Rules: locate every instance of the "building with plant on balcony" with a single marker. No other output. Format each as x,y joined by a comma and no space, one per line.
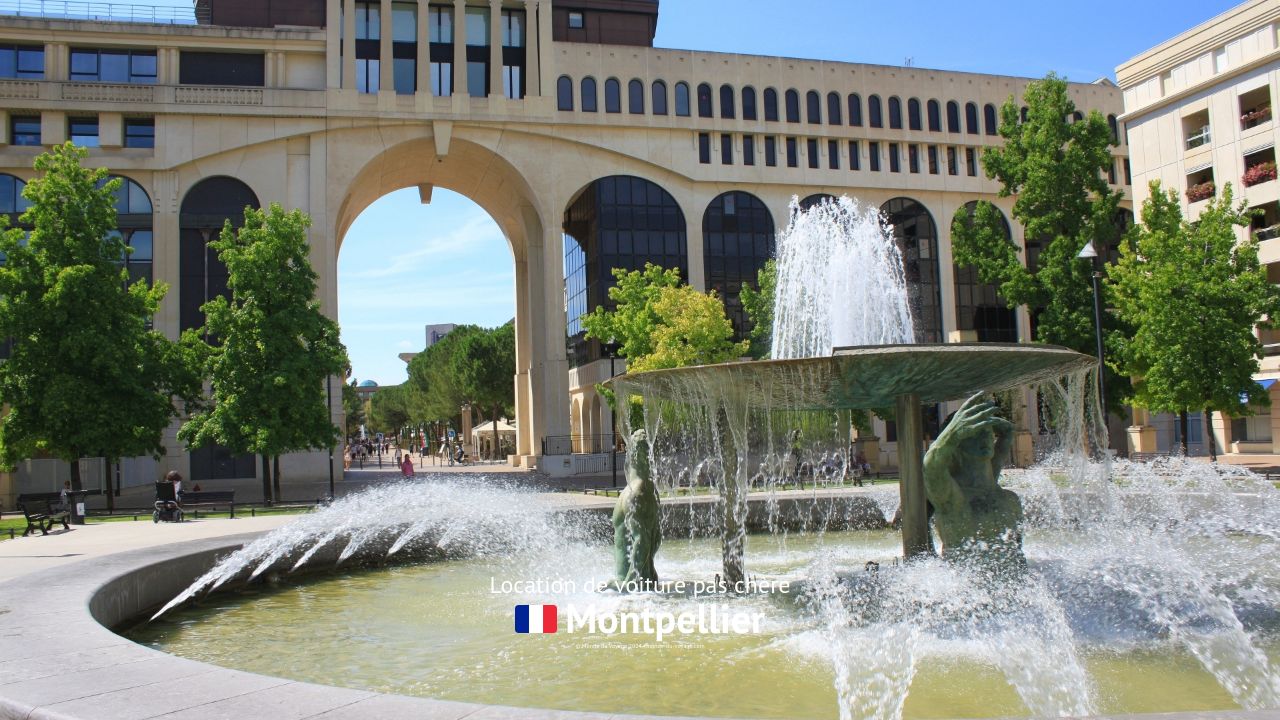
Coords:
1198,109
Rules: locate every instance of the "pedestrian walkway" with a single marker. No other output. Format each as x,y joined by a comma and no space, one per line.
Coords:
85,542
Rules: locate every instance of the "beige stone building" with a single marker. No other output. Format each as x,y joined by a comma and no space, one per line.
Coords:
1198,109
589,147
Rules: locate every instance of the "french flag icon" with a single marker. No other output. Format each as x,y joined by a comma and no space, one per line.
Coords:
535,619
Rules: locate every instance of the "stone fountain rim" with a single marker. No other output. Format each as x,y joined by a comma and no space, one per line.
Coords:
107,675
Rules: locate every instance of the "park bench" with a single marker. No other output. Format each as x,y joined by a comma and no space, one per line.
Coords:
1143,457
210,498
42,512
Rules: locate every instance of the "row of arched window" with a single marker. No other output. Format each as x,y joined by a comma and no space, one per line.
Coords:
837,109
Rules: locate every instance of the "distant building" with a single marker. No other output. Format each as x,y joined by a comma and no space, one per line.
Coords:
436,332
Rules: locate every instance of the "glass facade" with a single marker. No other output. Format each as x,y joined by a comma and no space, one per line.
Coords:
979,306
738,239
477,37
440,34
617,222
24,62
83,131
133,220
917,238
24,130
513,54
113,66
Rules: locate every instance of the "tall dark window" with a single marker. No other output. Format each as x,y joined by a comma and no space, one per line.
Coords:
874,118
834,116
771,151
368,45
513,54
704,101
913,158
659,97
953,116
1077,116
894,161
477,49
139,132
564,93
770,105
588,94
704,148
404,46
813,107
989,119
12,204
811,149
737,236
855,163
635,97
1022,114
895,113
979,306
133,220
971,161
793,106
222,68
440,35
749,103
748,150
24,130
24,62
913,114
1128,172
616,222
971,118
917,238
793,153
726,149
855,110
612,96
873,156
933,159
202,277
833,154
727,102
682,99
953,166
113,66
935,116
1114,126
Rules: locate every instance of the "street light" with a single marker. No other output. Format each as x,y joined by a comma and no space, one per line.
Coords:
611,348
1088,252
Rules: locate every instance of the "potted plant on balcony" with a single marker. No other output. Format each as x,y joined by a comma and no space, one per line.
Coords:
1259,173
1256,116
1200,191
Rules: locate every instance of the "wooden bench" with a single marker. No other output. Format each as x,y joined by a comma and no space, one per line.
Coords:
210,498
41,514
1143,457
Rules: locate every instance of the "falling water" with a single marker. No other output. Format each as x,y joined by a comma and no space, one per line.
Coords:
840,282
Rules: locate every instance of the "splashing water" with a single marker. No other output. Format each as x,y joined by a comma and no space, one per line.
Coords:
840,282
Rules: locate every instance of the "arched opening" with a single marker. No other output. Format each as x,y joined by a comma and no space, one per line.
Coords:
793,106
133,223
737,237
612,96
749,103
813,107
635,97
704,101
895,113
770,105
659,93
726,102
971,118
815,199
979,306
564,93
989,116
935,116
913,114
620,221
917,238
201,277
588,94
953,116
12,204
855,110
682,99
833,109
873,111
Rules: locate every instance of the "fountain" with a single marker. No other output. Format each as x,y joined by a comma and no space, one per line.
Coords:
1071,588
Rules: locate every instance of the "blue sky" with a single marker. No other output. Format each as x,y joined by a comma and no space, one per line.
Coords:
404,265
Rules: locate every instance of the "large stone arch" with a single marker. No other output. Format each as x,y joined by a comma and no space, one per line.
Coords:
429,156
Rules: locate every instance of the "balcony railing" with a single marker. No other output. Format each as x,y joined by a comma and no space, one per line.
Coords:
105,11
1267,233
1200,138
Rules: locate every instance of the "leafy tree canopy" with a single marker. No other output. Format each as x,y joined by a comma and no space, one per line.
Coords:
758,305
86,374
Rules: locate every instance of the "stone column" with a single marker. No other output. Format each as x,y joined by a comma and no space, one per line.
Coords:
532,77
694,244
57,61
333,43
424,49
386,62
495,48
545,64
349,44
460,48
915,519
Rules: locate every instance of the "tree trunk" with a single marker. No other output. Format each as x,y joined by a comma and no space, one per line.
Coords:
1183,426
75,474
275,476
266,480
111,495
1208,433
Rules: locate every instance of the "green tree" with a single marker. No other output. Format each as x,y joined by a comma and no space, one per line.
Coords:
352,408
86,375
758,305
1057,170
389,409
1194,294
483,367
432,374
631,324
269,346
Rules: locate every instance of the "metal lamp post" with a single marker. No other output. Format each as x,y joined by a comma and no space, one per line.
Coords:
1088,252
611,348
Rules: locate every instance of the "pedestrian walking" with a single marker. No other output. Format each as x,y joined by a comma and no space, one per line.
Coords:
406,466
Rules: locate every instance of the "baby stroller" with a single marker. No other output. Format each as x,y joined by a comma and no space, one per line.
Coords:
167,507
